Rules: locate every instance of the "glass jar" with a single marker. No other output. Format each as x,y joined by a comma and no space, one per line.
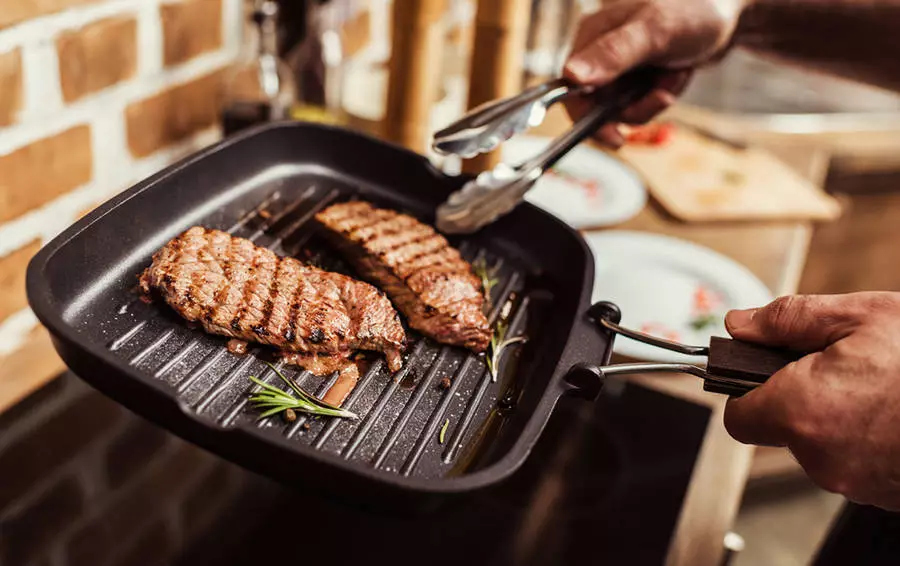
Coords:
259,87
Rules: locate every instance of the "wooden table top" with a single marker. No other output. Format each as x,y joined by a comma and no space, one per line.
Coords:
774,251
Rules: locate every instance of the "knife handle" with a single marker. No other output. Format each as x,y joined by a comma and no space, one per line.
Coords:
744,366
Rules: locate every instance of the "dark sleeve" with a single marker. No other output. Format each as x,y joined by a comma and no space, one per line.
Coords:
862,535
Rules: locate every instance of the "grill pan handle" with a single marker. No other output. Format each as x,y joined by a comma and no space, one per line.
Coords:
751,363
733,368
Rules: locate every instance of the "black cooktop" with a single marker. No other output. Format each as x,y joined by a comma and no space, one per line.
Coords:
604,485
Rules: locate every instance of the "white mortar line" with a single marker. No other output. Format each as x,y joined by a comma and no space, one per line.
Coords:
14,330
49,220
232,25
40,65
150,39
83,111
109,144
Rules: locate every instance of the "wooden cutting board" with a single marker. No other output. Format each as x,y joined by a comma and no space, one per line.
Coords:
697,178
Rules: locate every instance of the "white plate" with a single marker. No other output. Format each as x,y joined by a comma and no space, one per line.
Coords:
587,188
665,286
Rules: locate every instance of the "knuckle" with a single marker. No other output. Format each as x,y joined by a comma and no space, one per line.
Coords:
834,481
782,314
805,424
655,25
828,473
879,303
616,48
805,430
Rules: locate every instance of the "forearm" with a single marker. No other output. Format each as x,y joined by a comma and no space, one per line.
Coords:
856,39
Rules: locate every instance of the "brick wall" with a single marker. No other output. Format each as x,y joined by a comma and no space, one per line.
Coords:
94,96
85,482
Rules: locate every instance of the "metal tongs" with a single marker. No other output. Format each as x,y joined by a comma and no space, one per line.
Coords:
496,192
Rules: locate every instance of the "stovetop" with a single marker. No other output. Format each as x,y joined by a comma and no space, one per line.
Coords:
604,485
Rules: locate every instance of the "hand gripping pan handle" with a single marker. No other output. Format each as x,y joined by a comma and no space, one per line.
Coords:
733,367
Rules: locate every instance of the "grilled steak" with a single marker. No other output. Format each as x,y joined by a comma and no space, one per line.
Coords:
426,278
235,288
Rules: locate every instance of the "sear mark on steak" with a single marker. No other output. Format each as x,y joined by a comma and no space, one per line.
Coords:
237,289
426,278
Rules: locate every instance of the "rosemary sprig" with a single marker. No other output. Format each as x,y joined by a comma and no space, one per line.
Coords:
487,276
272,400
443,431
499,342
703,321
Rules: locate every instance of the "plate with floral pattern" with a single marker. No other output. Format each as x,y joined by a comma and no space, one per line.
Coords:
669,288
588,188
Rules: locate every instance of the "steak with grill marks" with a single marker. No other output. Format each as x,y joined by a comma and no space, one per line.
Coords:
426,278
235,288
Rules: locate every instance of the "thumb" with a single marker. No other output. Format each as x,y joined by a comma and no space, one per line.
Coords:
799,322
611,55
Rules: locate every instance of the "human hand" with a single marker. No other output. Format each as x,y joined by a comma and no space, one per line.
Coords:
837,409
674,34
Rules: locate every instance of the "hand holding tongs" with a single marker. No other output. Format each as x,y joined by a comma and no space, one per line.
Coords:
496,192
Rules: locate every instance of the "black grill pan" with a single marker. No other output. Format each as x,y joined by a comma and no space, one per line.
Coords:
266,185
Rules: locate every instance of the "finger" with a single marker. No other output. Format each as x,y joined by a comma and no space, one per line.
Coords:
603,21
648,107
763,416
675,81
578,106
608,135
669,86
611,54
800,322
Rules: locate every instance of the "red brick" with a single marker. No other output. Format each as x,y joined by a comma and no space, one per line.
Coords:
128,454
38,173
11,79
27,534
190,28
40,453
173,115
12,279
97,56
15,11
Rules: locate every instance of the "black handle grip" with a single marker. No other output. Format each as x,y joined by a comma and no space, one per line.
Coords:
749,365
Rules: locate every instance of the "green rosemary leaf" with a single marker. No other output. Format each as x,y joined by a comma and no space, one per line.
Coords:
266,386
704,321
499,342
487,276
272,400
306,396
443,431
